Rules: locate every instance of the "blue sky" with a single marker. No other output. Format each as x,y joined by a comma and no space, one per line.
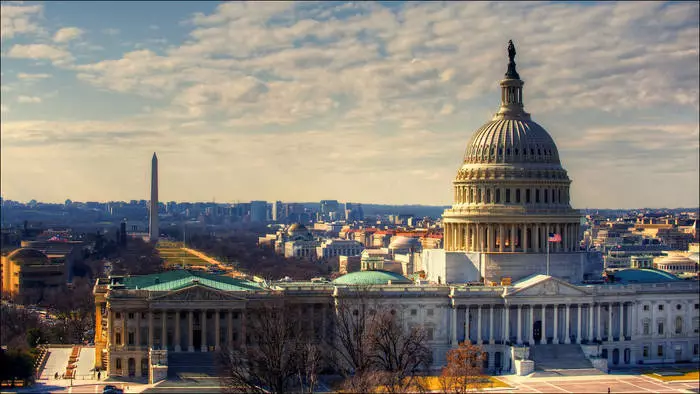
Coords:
371,102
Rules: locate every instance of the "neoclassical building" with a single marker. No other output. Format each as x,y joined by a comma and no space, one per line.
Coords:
509,194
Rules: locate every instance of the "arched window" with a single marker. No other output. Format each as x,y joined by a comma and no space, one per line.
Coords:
478,195
546,196
498,196
507,196
527,196
471,195
646,329
488,196
119,363
517,195
679,324
537,196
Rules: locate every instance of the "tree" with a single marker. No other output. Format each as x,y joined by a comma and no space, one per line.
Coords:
280,356
463,370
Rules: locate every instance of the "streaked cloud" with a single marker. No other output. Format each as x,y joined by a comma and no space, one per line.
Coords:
18,19
67,34
27,76
28,99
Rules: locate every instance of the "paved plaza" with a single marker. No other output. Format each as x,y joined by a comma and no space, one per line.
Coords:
618,383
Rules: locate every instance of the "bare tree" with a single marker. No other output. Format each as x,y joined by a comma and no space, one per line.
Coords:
463,370
279,357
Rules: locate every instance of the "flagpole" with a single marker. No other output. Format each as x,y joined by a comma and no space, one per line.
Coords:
547,253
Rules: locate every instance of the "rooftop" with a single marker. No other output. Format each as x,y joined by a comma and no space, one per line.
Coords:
375,277
178,279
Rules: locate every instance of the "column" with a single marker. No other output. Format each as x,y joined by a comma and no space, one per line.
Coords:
229,327
190,332
597,331
478,326
512,237
454,326
520,327
590,322
501,238
125,334
491,340
578,324
559,245
204,330
489,238
150,329
506,326
137,339
622,321
555,339
524,238
112,331
609,332
217,327
531,325
536,239
164,329
243,329
178,336
466,324
544,324
567,338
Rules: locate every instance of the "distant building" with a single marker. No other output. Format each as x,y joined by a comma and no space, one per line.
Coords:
339,247
30,268
349,264
258,211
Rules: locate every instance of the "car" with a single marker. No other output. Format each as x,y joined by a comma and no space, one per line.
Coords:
110,389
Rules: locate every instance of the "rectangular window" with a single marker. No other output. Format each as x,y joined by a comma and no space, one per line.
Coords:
430,312
661,307
696,349
414,312
131,315
537,196
527,196
131,338
429,333
696,325
661,328
118,338
507,196
697,306
645,352
660,351
646,328
646,307
517,197
117,315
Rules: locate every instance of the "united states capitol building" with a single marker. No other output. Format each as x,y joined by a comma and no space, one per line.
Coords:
493,284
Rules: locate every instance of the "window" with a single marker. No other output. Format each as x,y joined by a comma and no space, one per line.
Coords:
697,306
117,315
131,315
143,315
507,196
546,195
661,307
696,325
131,338
679,324
645,352
430,312
537,196
517,200
646,307
646,328
471,195
414,312
118,338
429,333
696,349
527,196
498,196
660,350
660,328
488,196
119,363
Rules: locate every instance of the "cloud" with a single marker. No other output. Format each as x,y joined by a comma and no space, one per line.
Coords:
67,34
40,52
28,99
18,19
111,31
27,76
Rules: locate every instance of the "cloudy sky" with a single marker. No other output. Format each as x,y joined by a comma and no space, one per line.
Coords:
368,102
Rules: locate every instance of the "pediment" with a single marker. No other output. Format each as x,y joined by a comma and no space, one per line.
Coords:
197,292
548,286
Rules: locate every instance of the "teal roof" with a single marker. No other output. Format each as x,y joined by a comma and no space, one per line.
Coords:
174,280
375,277
643,275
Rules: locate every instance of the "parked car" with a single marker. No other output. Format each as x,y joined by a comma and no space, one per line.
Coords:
110,389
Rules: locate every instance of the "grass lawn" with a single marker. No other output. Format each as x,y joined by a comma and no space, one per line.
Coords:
690,375
432,383
173,255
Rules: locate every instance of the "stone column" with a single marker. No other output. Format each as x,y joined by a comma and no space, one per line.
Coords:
150,329
669,327
506,325
536,239
610,338
512,238
597,331
531,325
501,238
217,327
578,323
478,326
137,331
125,334
204,347
178,336
112,330
229,328
555,339
454,326
190,332
520,325
491,339
590,322
544,324
489,238
466,325
622,321
243,329
164,329
567,335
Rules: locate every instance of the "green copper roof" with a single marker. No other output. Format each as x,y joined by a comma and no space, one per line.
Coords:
643,275
371,278
174,280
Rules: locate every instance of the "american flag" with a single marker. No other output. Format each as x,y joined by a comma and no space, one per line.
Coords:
554,237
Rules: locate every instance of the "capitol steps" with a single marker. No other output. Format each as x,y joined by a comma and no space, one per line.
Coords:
192,364
558,360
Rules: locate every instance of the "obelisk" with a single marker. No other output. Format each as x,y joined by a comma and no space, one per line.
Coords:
153,209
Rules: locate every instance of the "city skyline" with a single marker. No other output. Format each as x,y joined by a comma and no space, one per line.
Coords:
362,107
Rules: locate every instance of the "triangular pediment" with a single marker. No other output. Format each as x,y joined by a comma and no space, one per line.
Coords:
197,292
545,286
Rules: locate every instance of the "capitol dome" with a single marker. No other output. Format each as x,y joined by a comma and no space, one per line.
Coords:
511,190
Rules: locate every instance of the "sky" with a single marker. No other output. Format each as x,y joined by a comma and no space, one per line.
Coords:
365,102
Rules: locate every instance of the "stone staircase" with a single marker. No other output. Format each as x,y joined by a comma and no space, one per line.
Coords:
561,360
192,364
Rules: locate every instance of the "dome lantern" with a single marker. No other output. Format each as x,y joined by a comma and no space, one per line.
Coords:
511,91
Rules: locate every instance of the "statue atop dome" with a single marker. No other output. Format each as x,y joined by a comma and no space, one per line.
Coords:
511,73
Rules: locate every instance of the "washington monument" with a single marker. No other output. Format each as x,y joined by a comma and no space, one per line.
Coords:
153,211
